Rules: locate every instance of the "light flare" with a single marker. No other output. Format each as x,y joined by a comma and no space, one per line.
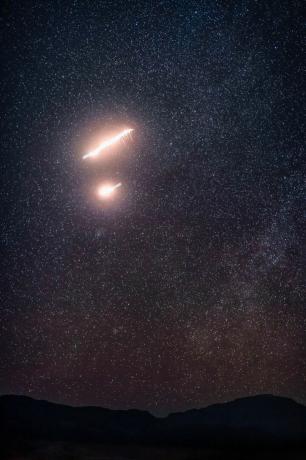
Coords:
108,143
106,190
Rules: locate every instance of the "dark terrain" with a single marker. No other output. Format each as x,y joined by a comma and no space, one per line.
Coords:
257,427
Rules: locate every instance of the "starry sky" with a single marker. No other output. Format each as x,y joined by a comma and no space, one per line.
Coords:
187,288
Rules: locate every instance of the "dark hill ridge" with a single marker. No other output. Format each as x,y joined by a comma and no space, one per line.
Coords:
260,419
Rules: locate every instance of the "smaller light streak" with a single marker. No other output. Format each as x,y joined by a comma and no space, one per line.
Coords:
106,190
108,143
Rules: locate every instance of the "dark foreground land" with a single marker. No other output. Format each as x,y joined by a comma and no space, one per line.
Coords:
74,451
262,427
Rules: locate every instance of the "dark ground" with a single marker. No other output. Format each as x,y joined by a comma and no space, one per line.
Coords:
262,427
67,451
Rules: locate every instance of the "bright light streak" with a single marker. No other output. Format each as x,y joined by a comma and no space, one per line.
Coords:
107,190
108,143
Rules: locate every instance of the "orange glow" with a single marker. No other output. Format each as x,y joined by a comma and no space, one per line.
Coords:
106,190
108,143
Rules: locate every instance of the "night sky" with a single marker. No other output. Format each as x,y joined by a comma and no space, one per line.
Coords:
186,288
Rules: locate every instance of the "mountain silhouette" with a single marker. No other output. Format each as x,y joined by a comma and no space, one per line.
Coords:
258,420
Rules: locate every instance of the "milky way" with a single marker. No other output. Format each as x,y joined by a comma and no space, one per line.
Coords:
186,289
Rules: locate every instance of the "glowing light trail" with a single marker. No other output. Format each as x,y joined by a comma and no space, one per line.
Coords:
107,190
108,143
